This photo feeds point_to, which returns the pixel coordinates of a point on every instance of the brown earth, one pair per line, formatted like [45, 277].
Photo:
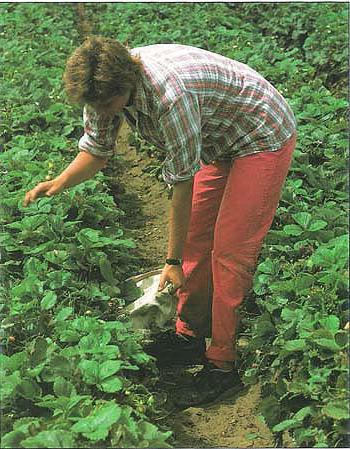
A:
[233, 420]
[146, 202]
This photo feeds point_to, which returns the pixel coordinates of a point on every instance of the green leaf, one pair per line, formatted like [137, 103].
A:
[14, 362]
[39, 351]
[8, 385]
[141, 358]
[95, 343]
[284, 425]
[51, 402]
[332, 323]
[57, 256]
[303, 281]
[90, 370]
[36, 370]
[42, 248]
[29, 389]
[250, 376]
[90, 238]
[61, 365]
[96, 426]
[51, 439]
[295, 345]
[56, 107]
[151, 436]
[148, 431]
[34, 266]
[62, 387]
[121, 243]
[332, 255]
[289, 314]
[259, 289]
[64, 313]
[342, 338]
[48, 301]
[109, 368]
[264, 278]
[78, 402]
[304, 412]
[317, 225]
[305, 327]
[251, 436]
[268, 267]
[264, 326]
[292, 229]
[112, 385]
[12, 439]
[327, 343]
[59, 279]
[270, 408]
[337, 410]
[106, 270]
[69, 336]
[302, 218]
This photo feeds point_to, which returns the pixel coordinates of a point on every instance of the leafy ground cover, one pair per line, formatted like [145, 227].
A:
[297, 343]
[63, 259]
[72, 376]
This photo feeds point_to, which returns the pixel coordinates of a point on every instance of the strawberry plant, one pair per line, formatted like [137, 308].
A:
[73, 375]
[298, 345]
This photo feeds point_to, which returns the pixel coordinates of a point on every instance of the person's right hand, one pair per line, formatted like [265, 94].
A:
[47, 188]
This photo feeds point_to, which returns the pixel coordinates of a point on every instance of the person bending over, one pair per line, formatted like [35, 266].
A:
[229, 136]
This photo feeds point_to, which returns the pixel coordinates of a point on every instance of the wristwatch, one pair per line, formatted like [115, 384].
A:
[173, 261]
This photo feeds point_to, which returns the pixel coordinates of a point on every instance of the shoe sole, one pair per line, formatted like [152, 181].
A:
[181, 362]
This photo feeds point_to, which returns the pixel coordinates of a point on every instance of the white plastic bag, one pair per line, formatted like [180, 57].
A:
[154, 310]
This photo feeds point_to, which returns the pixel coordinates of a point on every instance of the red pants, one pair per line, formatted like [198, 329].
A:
[232, 210]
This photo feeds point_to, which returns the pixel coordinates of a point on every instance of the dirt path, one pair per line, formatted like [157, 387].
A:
[146, 202]
[233, 420]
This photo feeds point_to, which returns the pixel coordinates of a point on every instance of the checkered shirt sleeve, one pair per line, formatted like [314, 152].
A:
[100, 132]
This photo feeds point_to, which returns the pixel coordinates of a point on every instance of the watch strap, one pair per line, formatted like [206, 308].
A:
[173, 261]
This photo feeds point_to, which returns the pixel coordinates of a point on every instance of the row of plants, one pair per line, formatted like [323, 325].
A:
[73, 374]
[62, 261]
[297, 341]
[305, 27]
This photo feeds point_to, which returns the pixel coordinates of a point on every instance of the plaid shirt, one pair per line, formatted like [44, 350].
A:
[199, 107]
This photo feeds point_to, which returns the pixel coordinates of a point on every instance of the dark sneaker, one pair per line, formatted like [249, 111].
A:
[208, 384]
[170, 348]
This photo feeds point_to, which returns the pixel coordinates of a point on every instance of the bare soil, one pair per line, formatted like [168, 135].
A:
[146, 202]
[233, 419]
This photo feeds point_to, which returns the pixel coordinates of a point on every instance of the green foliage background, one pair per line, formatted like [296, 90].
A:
[63, 259]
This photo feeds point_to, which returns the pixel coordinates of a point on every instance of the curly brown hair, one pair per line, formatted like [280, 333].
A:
[100, 69]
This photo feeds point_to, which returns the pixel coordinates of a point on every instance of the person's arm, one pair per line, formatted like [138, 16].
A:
[181, 127]
[96, 146]
[83, 167]
[180, 213]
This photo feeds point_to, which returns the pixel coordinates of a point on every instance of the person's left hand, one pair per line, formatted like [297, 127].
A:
[172, 274]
